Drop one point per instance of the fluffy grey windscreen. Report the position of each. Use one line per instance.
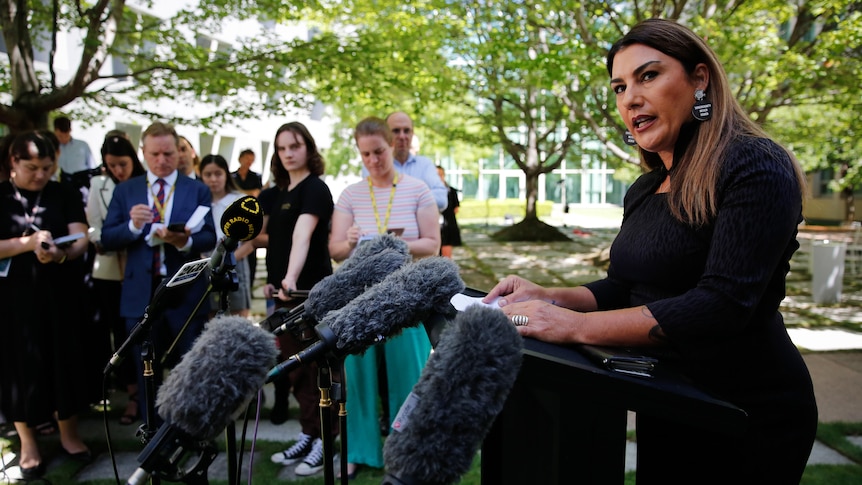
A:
(217, 377)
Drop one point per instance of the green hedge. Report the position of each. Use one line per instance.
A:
(496, 208)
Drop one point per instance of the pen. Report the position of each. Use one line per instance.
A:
(44, 245)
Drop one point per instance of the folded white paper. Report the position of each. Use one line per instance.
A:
(196, 221)
(151, 238)
(461, 301)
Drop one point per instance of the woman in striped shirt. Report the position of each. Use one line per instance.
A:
(385, 201)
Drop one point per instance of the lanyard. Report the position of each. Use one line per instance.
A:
(161, 206)
(381, 229)
(31, 217)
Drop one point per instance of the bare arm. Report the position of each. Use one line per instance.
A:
(428, 243)
(78, 247)
(626, 327)
(301, 241)
(513, 289)
(343, 236)
(17, 245)
(568, 315)
(42, 243)
(261, 241)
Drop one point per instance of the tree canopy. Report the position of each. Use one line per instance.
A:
(524, 75)
(530, 76)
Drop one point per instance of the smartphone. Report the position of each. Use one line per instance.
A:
(396, 231)
(177, 227)
(66, 241)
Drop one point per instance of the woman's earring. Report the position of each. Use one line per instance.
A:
(702, 109)
(629, 139)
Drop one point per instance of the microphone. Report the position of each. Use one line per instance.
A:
(241, 221)
(462, 389)
(376, 245)
(352, 278)
(208, 389)
(167, 294)
(404, 298)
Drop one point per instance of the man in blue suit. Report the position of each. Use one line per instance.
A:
(156, 200)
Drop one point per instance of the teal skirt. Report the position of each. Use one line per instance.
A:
(406, 355)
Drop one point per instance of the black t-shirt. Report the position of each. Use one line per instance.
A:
(252, 181)
(60, 206)
(311, 196)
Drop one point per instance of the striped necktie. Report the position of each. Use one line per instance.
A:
(158, 208)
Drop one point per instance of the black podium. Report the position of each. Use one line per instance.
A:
(565, 420)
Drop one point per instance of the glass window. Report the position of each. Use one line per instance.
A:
(553, 187)
(512, 189)
(492, 186)
(573, 189)
(470, 186)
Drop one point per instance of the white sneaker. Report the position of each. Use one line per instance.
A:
(312, 463)
(298, 451)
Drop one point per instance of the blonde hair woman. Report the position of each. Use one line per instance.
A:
(385, 201)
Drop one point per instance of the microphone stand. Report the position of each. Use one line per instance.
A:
(142, 333)
(328, 390)
(339, 393)
(224, 279)
(324, 382)
(147, 430)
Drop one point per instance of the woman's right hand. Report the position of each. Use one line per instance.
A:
(39, 241)
(513, 289)
(353, 235)
(288, 284)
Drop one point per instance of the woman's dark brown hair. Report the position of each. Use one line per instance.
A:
(693, 186)
(121, 147)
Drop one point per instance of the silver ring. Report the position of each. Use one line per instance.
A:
(520, 320)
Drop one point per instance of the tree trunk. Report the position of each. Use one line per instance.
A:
(532, 189)
(29, 114)
(847, 193)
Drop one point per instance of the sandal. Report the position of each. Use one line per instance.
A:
(129, 418)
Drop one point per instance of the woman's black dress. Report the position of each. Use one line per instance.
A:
(450, 233)
(40, 360)
(716, 290)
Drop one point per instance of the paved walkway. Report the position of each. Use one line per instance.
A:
(832, 354)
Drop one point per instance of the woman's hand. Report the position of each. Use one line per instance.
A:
(287, 284)
(43, 246)
(544, 321)
(269, 290)
(353, 235)
(512, 289)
